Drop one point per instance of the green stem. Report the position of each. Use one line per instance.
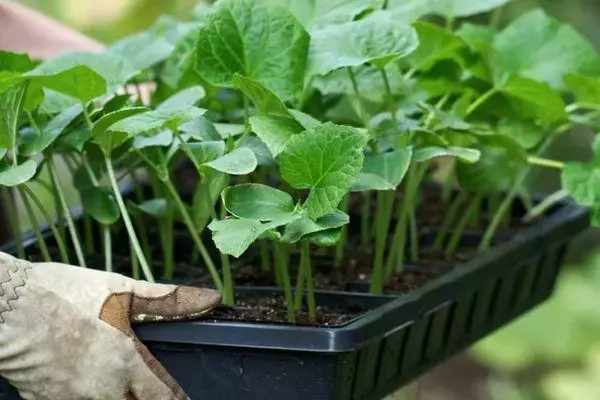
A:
(544, 162)
(282, 266)
(62, 248)
(385, 206)
(340, 248)
(501, 212)
(228, 284)
(265, 261)
(108, 258)
(66, 212)
(390, 100)
(88, 234)
(247, 127)
(127, 220)
(13, 220)
(543, 206)
(477, 103)
(396, 256)
(365, 228)
(300, 278)
(189, 223)
(135, 264)
(449, 218)
(139, 221)
(86, 115)
(310, 284)
(36, 227)
(462, 225)
(363, 109)
(414, 236)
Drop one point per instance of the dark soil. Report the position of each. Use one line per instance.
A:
(273, 310)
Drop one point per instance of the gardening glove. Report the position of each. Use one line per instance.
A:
(65, 332)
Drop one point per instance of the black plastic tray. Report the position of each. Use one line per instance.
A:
(384, 349)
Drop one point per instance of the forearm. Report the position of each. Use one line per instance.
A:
(26, 31)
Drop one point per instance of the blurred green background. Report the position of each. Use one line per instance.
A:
(553, 353)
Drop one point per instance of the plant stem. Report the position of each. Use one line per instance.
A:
(108, 258)
(57, 236)
(477, 103)
(341, 246)
(310, 284)
(543, 206)
(486, 241)
(228, 284)
(88, 234)
(300, 278)
(13, 220)
(544, 162)
(363, 108)
(385, 206)
(390, 100)
(127, 220)
(365, 228)
(396, 257)
(265, 260)
(414, 236)
(462, 225)
(282, 266)
(36, 227)
(189, 223)
(247, 128)
(449, 218)
(66, 212)
(135, 264)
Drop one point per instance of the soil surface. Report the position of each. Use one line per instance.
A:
(273, 310)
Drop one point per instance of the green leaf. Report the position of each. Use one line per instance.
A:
(585, 89)
(582, 181)
(462, 153)
(203, 206)
(383, 171)
(304, 226)
(79, 82)
(205, 152)
(51, 132)
(75, 139)
(328, 238)
(260, 150)
(185, 98)
(11, 104)
(160, 139)
(413, 9)
(369, 80)
(376, 39)
(158, 208)
(319, 13)
(527, 134)
(240, 161)
(234, 236)
(200, 129)
(496, 169)
(16, 62)
(435, 44)
(100, 204)
(140, 123)
(181, 61)
(275, 131)
(255, 40)
(143, 50)
(534, 99)
(541, 48)
(16, 175)
(110, 140)
(256, 201)
(446, 120)
(326, 160)
(115, 70)
(307, 121)
(264, 99)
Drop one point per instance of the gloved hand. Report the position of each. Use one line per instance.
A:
(65, 332)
